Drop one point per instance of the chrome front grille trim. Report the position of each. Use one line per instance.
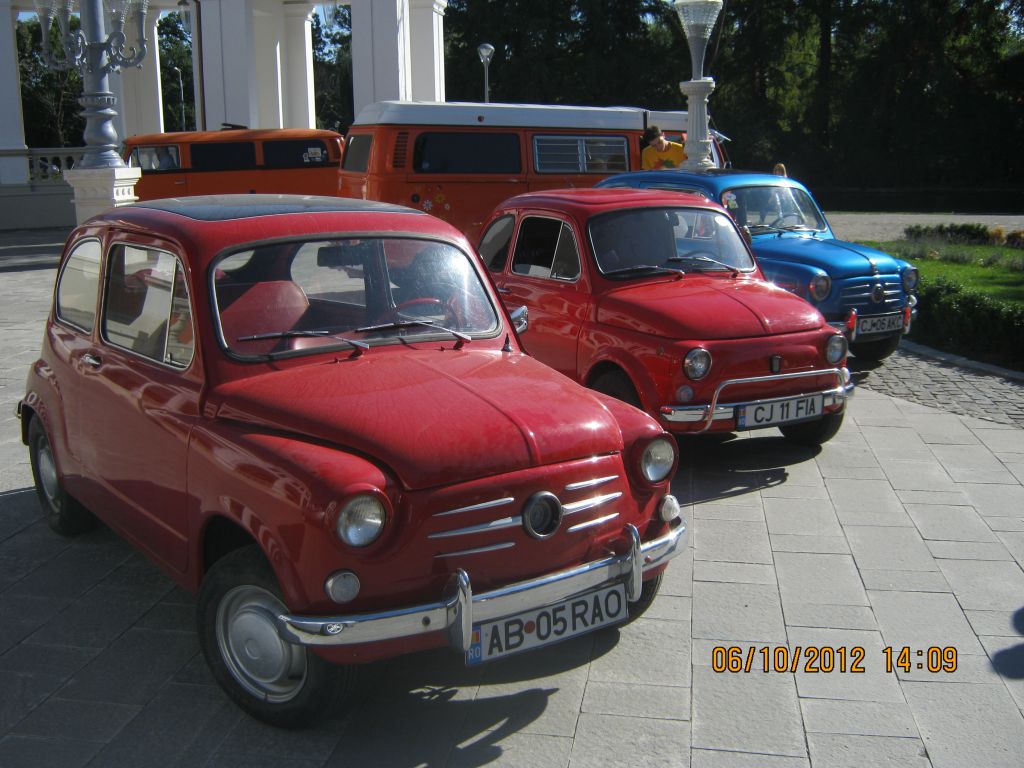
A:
(579, 506)
(493, 525)
(590, 483)
(592, 523)
(478, 550)
(475, 507)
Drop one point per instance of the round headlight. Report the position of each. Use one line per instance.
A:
(361, 521)
(910, 279)
(819, 287)
(835, 349)
(697, 363)
(658, 459)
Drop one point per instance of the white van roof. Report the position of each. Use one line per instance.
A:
(517, 115)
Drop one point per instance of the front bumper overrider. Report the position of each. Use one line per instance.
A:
(459, 608)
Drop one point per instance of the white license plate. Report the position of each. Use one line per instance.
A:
(532, 629)
(779, 411)
(879, 324)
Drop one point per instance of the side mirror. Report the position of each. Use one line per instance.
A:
(520, 319)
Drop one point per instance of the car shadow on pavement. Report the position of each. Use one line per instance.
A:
(1009, 662)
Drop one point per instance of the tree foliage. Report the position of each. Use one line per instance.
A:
(49, 98)
(176, 52)
(332, 68)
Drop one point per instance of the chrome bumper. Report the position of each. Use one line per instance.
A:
(708, 414)
(459, 608)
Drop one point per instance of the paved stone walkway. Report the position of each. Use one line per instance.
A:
(905, 531)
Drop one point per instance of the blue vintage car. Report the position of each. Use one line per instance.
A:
(866, 293)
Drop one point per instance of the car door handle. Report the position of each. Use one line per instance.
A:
(505, 291)
(91, 360)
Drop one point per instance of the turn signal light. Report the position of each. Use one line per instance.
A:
(851, 320)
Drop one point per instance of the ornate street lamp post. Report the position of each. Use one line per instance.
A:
(485, 51)
(698, 17)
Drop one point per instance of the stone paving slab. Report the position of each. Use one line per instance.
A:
(906, 530)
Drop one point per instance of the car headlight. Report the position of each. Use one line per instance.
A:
(910, 279)
(697, 363)
(657, 460)
(835, 349)
(361, 520)
(819, 287)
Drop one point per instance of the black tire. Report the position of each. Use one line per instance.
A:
(282, 684)
(63, 513)
(875, 350)
(815, 432)
(647, 595)
(617, 384)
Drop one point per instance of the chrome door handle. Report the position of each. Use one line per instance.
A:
(505, 291)
(91, 360)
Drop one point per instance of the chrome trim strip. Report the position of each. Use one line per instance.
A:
(689, 414)
(459, 609)
(590, 483)
(495, 525)
(591, 523)
(478, 550)
(475, 507)
(596, 501)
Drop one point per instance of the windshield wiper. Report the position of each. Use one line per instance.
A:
(767, 227)
(649, 268)
(358, 346)
(408, 322)
(706, 260)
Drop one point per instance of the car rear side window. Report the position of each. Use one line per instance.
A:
(78, 286)
(224, 156)
(357, 153)
(294, 153)
(494, 244)
(147, 309)
(463, 152)
(546, 248)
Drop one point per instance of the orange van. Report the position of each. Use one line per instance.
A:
(282, 160)
(457, 160)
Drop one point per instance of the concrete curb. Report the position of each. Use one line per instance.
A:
(960, 361)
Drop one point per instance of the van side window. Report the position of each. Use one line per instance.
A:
(494, 244)
(357, 153)
(463, 152)
(78, 285)
(580, 154)
(546, 248)
(224, 156)
(294, 153)
(159, 158)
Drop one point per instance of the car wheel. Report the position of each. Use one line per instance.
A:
(814, 432)
(617, 384)
(647, 595)
(280, 683)
(875, 350)
(63, 513)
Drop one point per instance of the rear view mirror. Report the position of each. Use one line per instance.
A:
(520, 319)
(351, 253)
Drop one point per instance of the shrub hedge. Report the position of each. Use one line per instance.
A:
(969, 323)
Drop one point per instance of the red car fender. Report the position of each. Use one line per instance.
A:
(609, 353)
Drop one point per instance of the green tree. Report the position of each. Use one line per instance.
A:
(175, 51)
(332, 69)
(49, 98)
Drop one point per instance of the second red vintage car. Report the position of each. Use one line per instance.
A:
(653, 297)
(315, 413)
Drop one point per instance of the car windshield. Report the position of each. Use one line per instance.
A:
(641, 241)
(772, 208)
(280, 298)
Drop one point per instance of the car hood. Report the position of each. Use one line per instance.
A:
(839, 258)
(703, 307)
(434, 417)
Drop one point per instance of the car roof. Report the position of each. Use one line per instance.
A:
(718, 179)
(233, 134)
(224, 207)
(593, 200)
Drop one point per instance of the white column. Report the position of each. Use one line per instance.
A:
(229, 64)
(300, 102)
(13, 170)
(99, 189)
(380, 51)
(427, 46)
(140, 101)
(267, 27)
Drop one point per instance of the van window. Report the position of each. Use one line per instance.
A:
(494, 244)
(158, 158)
(357, 153)
(580, 154)
(292, 153)
(462, 152)
(540, 241)
(224, 156)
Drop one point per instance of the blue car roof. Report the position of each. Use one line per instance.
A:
(714, 180)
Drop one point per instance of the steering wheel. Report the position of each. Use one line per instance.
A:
(407, 309)
(798, 219)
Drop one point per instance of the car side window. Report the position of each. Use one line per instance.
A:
(494, 244)
(78, 286)
(546, 248)
(147, 309)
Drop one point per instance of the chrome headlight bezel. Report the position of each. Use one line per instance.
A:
(910, 279)
(836, 348)
(657, 460)
(819, 287)
(697, 363)
(361, 521)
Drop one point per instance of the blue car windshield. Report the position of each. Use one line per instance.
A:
(771, 208)
(636, 241)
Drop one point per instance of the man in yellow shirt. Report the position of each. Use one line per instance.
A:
(659, 152)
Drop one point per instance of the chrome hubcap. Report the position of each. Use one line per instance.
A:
(47, 472)
(262, 663)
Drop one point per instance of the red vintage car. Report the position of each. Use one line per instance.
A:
(315, 413)
(653, 297)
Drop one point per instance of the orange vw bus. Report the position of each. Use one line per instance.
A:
(457, 160)
(282, 160)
